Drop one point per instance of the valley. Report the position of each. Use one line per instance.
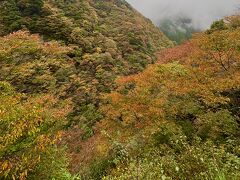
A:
(92, 89)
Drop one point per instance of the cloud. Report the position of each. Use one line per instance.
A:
(202, 12)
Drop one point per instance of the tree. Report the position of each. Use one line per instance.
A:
(218, 25)
(221, 48)
(10, 17)
(28, 129)
(30, 7)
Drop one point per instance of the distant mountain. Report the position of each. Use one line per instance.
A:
(178, 29)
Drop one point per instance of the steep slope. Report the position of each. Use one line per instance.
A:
(107, 38)
(88, 24)
(71, 52)
(179, 118)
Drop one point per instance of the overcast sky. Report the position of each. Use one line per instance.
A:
(202, 12)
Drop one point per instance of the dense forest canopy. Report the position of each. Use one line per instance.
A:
(91, 89)
(69, 52)
(103, 39)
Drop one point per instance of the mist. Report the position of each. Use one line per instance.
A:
(201, 12)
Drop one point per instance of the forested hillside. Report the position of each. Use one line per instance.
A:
(179, 119)
(105, 39)
(91, 89)
(56, 58)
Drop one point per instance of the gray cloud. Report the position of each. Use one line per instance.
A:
(202, 12)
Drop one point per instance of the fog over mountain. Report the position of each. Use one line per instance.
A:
(202, 12)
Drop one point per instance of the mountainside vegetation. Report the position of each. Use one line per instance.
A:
(91, 89)
(65, 54)
(179, 119)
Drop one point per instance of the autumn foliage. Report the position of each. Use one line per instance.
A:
(28, 129)
(162, 115)
(82, 97)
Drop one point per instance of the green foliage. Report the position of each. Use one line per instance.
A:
(217, 126)
(228, 23)
(100, 168)
(28, 129)
(177, 29)
(30, 7)
(218, 25)
(53, 165)
(10, 17)
(176, 158)
(234, 22)
(31, 65)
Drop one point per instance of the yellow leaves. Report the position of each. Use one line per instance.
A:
(86, 56)
(102, 149)
(21, 42)
(220, 48)
(5, 168)
(212, 99)
(98, 50)
(18, 167)
(6, 165)
(173, 69)
(23, 175)
(42, 141)
(19, 121)
(24, 130)
(55, 48)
